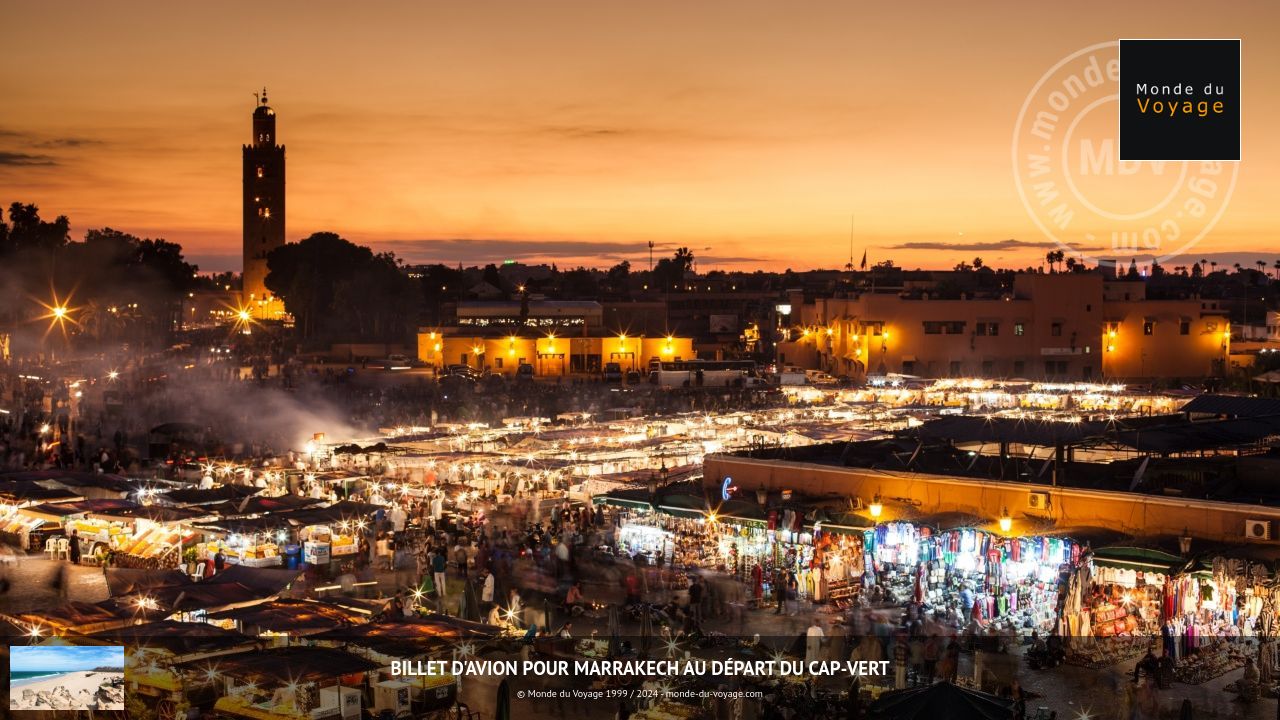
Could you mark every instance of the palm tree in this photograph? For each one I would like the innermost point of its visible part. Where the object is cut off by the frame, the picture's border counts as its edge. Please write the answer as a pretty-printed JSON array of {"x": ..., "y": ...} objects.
[
  {"x": 1262, "y": 266},
  {"x": 1277, "y": 267}
]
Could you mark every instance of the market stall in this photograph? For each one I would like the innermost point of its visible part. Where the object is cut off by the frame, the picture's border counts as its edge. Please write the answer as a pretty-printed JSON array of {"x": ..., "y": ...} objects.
[
  {"x": 1122, "y": 601},
  {"x": 293, "y": 682},
  {"x": 970, "y": 574},
  {"x": 23, "y": 531},
  {"x": 434, "y": 637},
  {"x": 157, "y": 538}
]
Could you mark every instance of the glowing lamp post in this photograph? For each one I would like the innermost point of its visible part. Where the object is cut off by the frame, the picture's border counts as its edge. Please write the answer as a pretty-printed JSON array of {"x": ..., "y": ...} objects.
[{"x": 1006, "y": 522}]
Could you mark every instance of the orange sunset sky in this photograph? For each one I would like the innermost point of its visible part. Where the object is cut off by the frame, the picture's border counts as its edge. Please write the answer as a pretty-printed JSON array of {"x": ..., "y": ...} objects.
[{"x": 577, "y": 132}]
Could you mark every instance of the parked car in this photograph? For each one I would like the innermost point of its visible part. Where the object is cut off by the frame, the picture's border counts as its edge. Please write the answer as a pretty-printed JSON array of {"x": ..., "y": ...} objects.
[
  {"x": 524, "y": 373},
  {"x": 463, "y": 371},
  {"x": 612, "y": 372}
]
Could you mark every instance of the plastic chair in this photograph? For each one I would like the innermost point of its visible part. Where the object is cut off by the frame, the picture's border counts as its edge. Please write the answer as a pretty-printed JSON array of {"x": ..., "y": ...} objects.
[
  {"x": 51, "y": 547},
  {"x": 199, "y": 573},
  {"x": 64, "y": 548}
]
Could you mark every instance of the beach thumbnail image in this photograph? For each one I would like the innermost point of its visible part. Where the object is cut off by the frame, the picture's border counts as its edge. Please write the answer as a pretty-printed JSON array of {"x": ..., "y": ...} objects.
[{"x": 66, "y": 677}]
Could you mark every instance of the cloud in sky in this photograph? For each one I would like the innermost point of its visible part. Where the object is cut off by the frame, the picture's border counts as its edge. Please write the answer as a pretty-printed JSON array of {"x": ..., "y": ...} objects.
[
  {"x": 979, "y": 245},
  {"x": 495, "y": 250},
  {"x": 24, "y": 159},
  {"x": 64, "y": 657}
]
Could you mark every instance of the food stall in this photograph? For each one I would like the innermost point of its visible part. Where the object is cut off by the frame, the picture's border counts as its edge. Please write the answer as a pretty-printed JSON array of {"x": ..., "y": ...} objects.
[
  {"x": 247, "y": 550},
  {"x": 24, "y": 531},
  {"x": 158, "y": 535},
  {"x": 290, "y": 682},
  {"x": 97, "y": 533},
  {"x": 433, "y": 637},
  {"x": 326, "y": 543}
]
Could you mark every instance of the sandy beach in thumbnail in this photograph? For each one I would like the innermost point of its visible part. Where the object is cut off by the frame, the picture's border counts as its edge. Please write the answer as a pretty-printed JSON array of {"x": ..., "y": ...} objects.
[{"x": 78, "y": 690}]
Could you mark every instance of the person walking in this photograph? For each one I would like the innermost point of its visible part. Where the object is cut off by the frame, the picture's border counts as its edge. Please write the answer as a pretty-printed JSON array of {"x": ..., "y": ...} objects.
[
  {"x": 695, "y": 598},
  {"x": 813, "y": 642},
  {"x": 486, "y": 591},
  {"x": 73, "y": 548}
]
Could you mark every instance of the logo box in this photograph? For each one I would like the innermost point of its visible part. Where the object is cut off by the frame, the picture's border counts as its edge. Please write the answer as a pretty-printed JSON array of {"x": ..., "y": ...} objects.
[{"x": 1180, "y": 99}]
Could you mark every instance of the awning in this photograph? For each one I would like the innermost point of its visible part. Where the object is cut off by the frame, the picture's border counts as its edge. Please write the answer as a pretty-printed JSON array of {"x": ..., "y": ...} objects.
[
  {"x": 284, "y": 665},
  {"x": 1141, "y": 559}
]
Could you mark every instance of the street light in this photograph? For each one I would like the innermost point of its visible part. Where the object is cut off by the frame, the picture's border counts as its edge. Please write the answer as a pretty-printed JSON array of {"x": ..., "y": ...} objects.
[
  {"x": 1006, "y": 522},
  {"x": 876, "y": 507}
]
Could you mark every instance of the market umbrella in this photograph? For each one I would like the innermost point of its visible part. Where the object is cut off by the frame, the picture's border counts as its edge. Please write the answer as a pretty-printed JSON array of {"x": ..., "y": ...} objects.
[
  {"x": 503, "y": 711},
  {"x": 940, "y": 700}
]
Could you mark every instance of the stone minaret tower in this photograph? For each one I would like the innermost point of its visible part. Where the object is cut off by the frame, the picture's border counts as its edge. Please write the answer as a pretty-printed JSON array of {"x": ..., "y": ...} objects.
[{"x": 263, "y": 210}]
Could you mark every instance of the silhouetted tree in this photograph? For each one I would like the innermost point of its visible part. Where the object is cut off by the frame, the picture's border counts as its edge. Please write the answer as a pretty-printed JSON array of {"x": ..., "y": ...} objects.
[
  {"x": 337, "y": 289},
  {"x": 669, "y": 273}
]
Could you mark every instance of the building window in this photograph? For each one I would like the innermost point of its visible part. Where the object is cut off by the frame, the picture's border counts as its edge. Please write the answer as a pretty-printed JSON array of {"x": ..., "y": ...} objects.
[
  {"x": 955, "y": 368},
  {"x": 259, "y": 171},
  {"x": 988, "y": 368},
  {"x": 1056, "y": 329},
  {"x": 1019, "y": 368},
  {"x": 1088, "y": 307},
  {"x": 1184, "y": 327},
  {"x": 1019, "y": 329},
  {"x": 987, "y": 329},
  {"x": 497, "y": 362},
  {"x": 1148, "y": 328},
  {"x": 943, "y": 327}
]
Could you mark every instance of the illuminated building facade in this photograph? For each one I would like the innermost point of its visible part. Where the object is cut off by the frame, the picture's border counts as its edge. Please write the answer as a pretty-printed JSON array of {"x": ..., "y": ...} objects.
[{"x": 1069, "y": 326}]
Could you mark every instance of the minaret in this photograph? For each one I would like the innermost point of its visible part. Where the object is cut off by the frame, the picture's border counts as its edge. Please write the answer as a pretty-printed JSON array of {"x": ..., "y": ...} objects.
[{"x": 263, "y": 210}]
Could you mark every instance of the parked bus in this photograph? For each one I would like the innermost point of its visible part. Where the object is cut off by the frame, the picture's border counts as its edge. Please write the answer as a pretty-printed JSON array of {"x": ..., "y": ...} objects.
[{"x": 705, "y": 373}]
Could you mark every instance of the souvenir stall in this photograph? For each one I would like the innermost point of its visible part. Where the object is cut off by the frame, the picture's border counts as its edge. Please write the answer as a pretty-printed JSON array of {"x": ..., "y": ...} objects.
[
  {"x": 1113, "y": 604},
  {"x": 741, "y": 539},
  {"x": 649, "y": 535},
  {"x": 1014, "y": 579},
  {"x": 1208, "y": 609},
  {"x": 1121, "y": 599}
]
